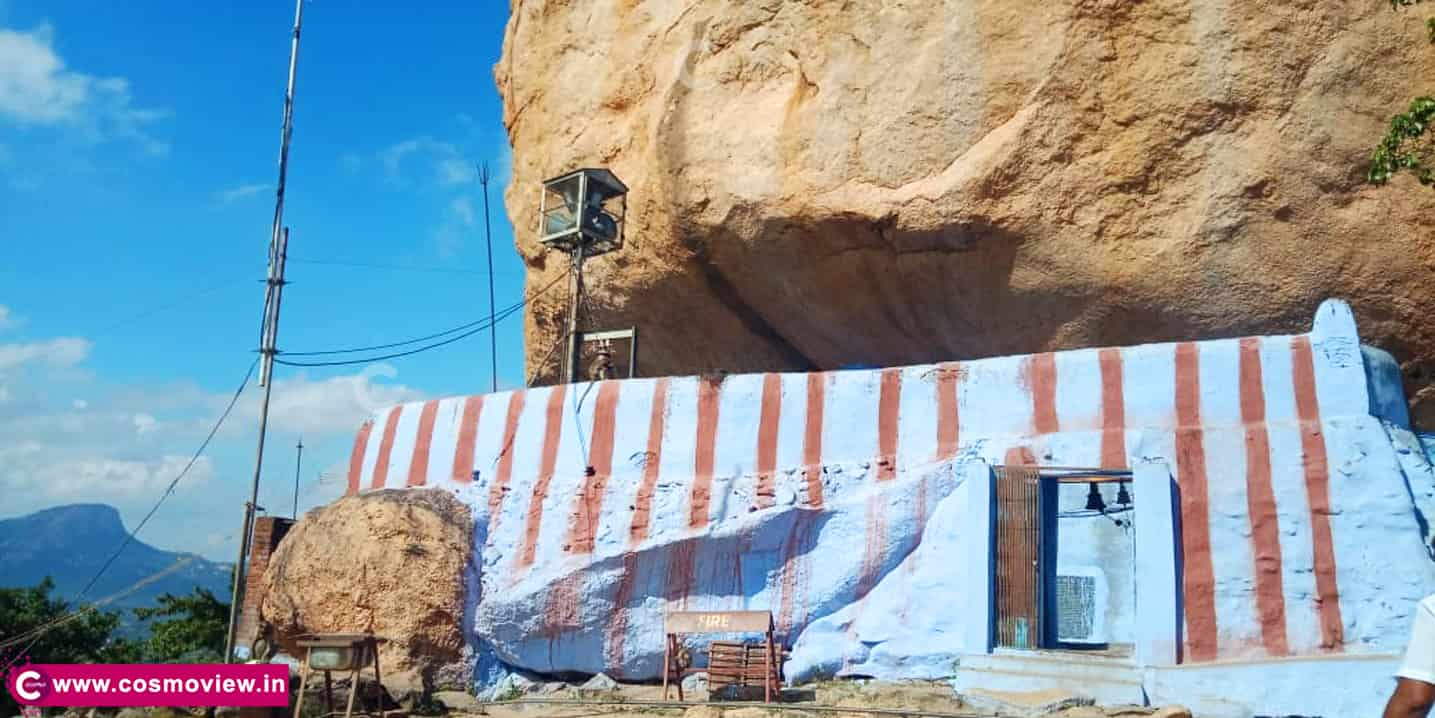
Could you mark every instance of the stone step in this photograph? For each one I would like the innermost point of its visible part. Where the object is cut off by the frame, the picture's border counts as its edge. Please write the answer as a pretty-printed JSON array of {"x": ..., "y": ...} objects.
[{"x": 1106, "y": 679}]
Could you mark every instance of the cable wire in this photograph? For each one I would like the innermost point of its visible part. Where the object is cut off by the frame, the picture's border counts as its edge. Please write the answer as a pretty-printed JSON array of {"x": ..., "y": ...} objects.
[
  {"x": 369, "y": 360},
  {"x": 416, "y": 340},
  {"x": 129, "y": 537},
  {"x": 76, "y": 614},
  {"x": 399, "y": 267},
  {"x": 467, "y": 330}
]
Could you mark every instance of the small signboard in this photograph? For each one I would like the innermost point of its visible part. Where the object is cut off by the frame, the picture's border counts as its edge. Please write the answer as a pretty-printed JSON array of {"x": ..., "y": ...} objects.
[{"x": 719, "y": 622}]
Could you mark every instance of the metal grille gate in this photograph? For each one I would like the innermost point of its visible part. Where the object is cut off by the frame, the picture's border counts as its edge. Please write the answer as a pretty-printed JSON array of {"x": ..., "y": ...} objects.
[{"x": 1018, "y": 557}]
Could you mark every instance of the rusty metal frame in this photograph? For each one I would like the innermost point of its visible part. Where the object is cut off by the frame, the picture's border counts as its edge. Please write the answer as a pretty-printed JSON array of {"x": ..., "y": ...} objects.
[
  {"x": 738, "y": 663},
  {"x": 1025, "y": 548}
]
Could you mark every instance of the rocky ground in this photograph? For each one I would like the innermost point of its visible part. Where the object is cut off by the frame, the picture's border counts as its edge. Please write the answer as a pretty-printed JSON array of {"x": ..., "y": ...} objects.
[{"x": 920, "y": 698}]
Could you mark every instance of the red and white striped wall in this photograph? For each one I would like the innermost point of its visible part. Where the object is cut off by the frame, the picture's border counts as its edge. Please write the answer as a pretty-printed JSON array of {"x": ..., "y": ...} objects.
[{"x": 1289, "y": 487}]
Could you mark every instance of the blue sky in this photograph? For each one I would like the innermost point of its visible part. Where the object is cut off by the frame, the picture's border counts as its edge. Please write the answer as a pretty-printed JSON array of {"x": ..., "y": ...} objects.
[{"x": 138, "y": 146}]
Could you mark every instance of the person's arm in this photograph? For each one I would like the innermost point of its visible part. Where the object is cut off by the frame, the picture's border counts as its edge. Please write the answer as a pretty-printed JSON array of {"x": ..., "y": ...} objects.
[
  {"x": 1412, "y": 699},
  {"x": 1415, "y": 681}
]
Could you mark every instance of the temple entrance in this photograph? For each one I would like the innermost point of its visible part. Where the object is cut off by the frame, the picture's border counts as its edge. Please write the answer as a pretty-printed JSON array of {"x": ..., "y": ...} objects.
[{"x": 1064, "y": 559}]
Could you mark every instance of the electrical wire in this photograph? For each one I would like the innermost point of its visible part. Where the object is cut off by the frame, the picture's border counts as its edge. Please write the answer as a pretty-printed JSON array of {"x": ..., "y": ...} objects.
[
  {"x": 399, "y": 267},
  {"x": 467, "y": 330},
  {"x": 376, "y": 347},
  {"x": 176, "y": 301},
  {"x": 368, "y": 360},
  {"x": 76, "y": 614},
  {"x": 129, "y": 537}
]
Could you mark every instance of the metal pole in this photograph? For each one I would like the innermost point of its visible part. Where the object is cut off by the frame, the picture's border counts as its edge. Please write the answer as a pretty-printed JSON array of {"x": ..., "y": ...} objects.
[
  {"x": 274, "y": 289},
  {"x": 298, "y": 461},
  {"x": 575, "y": 293},
  {"x": 483, "y": 178}
]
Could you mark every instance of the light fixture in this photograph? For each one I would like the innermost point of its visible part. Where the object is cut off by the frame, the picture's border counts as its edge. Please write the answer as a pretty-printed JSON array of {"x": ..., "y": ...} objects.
[
  {"x": 583, "y": 210},
  {"x": 1123, "y": 497},
  {"x": 1094, "y": 502}
]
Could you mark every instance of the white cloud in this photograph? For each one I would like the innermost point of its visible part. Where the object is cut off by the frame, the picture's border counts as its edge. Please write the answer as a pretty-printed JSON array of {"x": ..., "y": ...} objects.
[
  {"x": 333, "y": 405},
  {"x": 123, "y": 444},
  {"x": 443, "y": 161},
  {"x": 55, "y": 353},
  {"x": 459, "y": 219},
  {"x": 8, "y": 320},
  {"x": 460, "y": 209},
  {"x": 234, "y": 194},
  {"x": 55, "y": 474},
  {"x": 453, "y": 170},
  {"x": 36, "y": 89}
]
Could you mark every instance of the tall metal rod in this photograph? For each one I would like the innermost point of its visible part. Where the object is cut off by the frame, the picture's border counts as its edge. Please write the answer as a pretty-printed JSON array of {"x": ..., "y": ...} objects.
[
  {"x": 575, "y": 294},
  {"x": 483, "y": 178},
  {"x": 269, "y": 332},
  {"x": 298, "y": 462}
]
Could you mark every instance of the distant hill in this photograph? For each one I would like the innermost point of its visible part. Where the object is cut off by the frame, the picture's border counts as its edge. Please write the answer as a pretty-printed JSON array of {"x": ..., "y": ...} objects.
[{"x": 70, "y": 543}]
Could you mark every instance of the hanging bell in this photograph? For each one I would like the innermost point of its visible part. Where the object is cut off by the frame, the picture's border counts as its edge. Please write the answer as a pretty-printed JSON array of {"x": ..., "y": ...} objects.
[
  {"x": 1094, "y": 502},
  {"x": 1123, "y": 497}
]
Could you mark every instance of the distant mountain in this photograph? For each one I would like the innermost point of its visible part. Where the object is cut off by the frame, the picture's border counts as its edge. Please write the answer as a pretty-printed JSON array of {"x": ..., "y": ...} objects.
[{"x": 70, "y": 543}]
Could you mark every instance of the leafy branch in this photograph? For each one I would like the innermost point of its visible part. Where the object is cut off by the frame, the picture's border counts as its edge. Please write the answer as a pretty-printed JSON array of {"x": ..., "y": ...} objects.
[
  {"x": 1400, "y": 149},
  {"x": 1405, "y": 147}
]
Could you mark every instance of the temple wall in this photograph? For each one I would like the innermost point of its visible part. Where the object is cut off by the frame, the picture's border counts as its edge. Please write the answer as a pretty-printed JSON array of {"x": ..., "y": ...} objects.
[{"x": 1302, "y": 496}]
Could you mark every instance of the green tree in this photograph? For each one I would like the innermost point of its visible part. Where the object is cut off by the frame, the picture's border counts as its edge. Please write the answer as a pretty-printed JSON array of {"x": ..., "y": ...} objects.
[
  {"x": 191, "y": 628},
  {"x": 1408, "y": 145},
  {"x": 84, "y": 636}
]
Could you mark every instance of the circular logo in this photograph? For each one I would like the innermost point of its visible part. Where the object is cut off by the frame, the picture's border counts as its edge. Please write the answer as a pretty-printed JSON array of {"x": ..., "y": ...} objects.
[{"x": 28, "y": 684}]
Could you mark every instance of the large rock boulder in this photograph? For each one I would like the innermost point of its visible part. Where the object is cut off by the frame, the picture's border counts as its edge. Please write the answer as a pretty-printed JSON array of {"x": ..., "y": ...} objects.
[
  {"x": 391, "y": 562},
  {"x": 826, "y": 184}
]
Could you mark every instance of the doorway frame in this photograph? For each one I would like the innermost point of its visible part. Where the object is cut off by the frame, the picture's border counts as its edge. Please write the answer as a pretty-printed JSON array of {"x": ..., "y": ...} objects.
[{"x": 1157, "y": 536}]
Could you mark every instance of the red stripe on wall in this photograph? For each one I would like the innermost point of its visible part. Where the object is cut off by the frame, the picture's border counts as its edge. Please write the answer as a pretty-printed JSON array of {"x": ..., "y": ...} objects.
[
  {"x": 419, "y": 463},
  {"x": 1039, "y": 371},
  {"x": 771, "y": 413},
  {"x": 682, "y": 567},
  {"x": 889, "y": 409},
  {"x": 949, "y": 378},
  {"x": 386, "y": 448},
  {"x": 584, "y": 525},
  {"x": 812, "y": 438},
  {"x": 552, "y": 433},
  {"x": 642, "y": 508},
  {"x": 560, "y": 610},
  {"x": 356, "y": 457},
  {"x": 1261, "y": 503},
  {"x": 1199, "y": 573},
  {"x": 703, "y": 455},
  {"x": 467, "y": 435},
  {"x": 613, "y": 648},
  {"x": 874, "y": 545},
  {"x": 787, "y": 582},
  {"x": 1113, "y": 409},
  {"x": 1317, "y": 487},
  {"x": 499, "y": 488}
]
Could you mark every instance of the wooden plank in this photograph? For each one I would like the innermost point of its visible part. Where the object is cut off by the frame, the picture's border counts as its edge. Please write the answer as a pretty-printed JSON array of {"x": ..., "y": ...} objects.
[{"x": 718, "y": 621}]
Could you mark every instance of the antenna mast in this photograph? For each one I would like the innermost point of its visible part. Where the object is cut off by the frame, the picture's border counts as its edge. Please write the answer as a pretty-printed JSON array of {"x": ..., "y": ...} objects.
[
  {"x": 483, "y": 178},
  {"x": 269, "y": 332}
]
